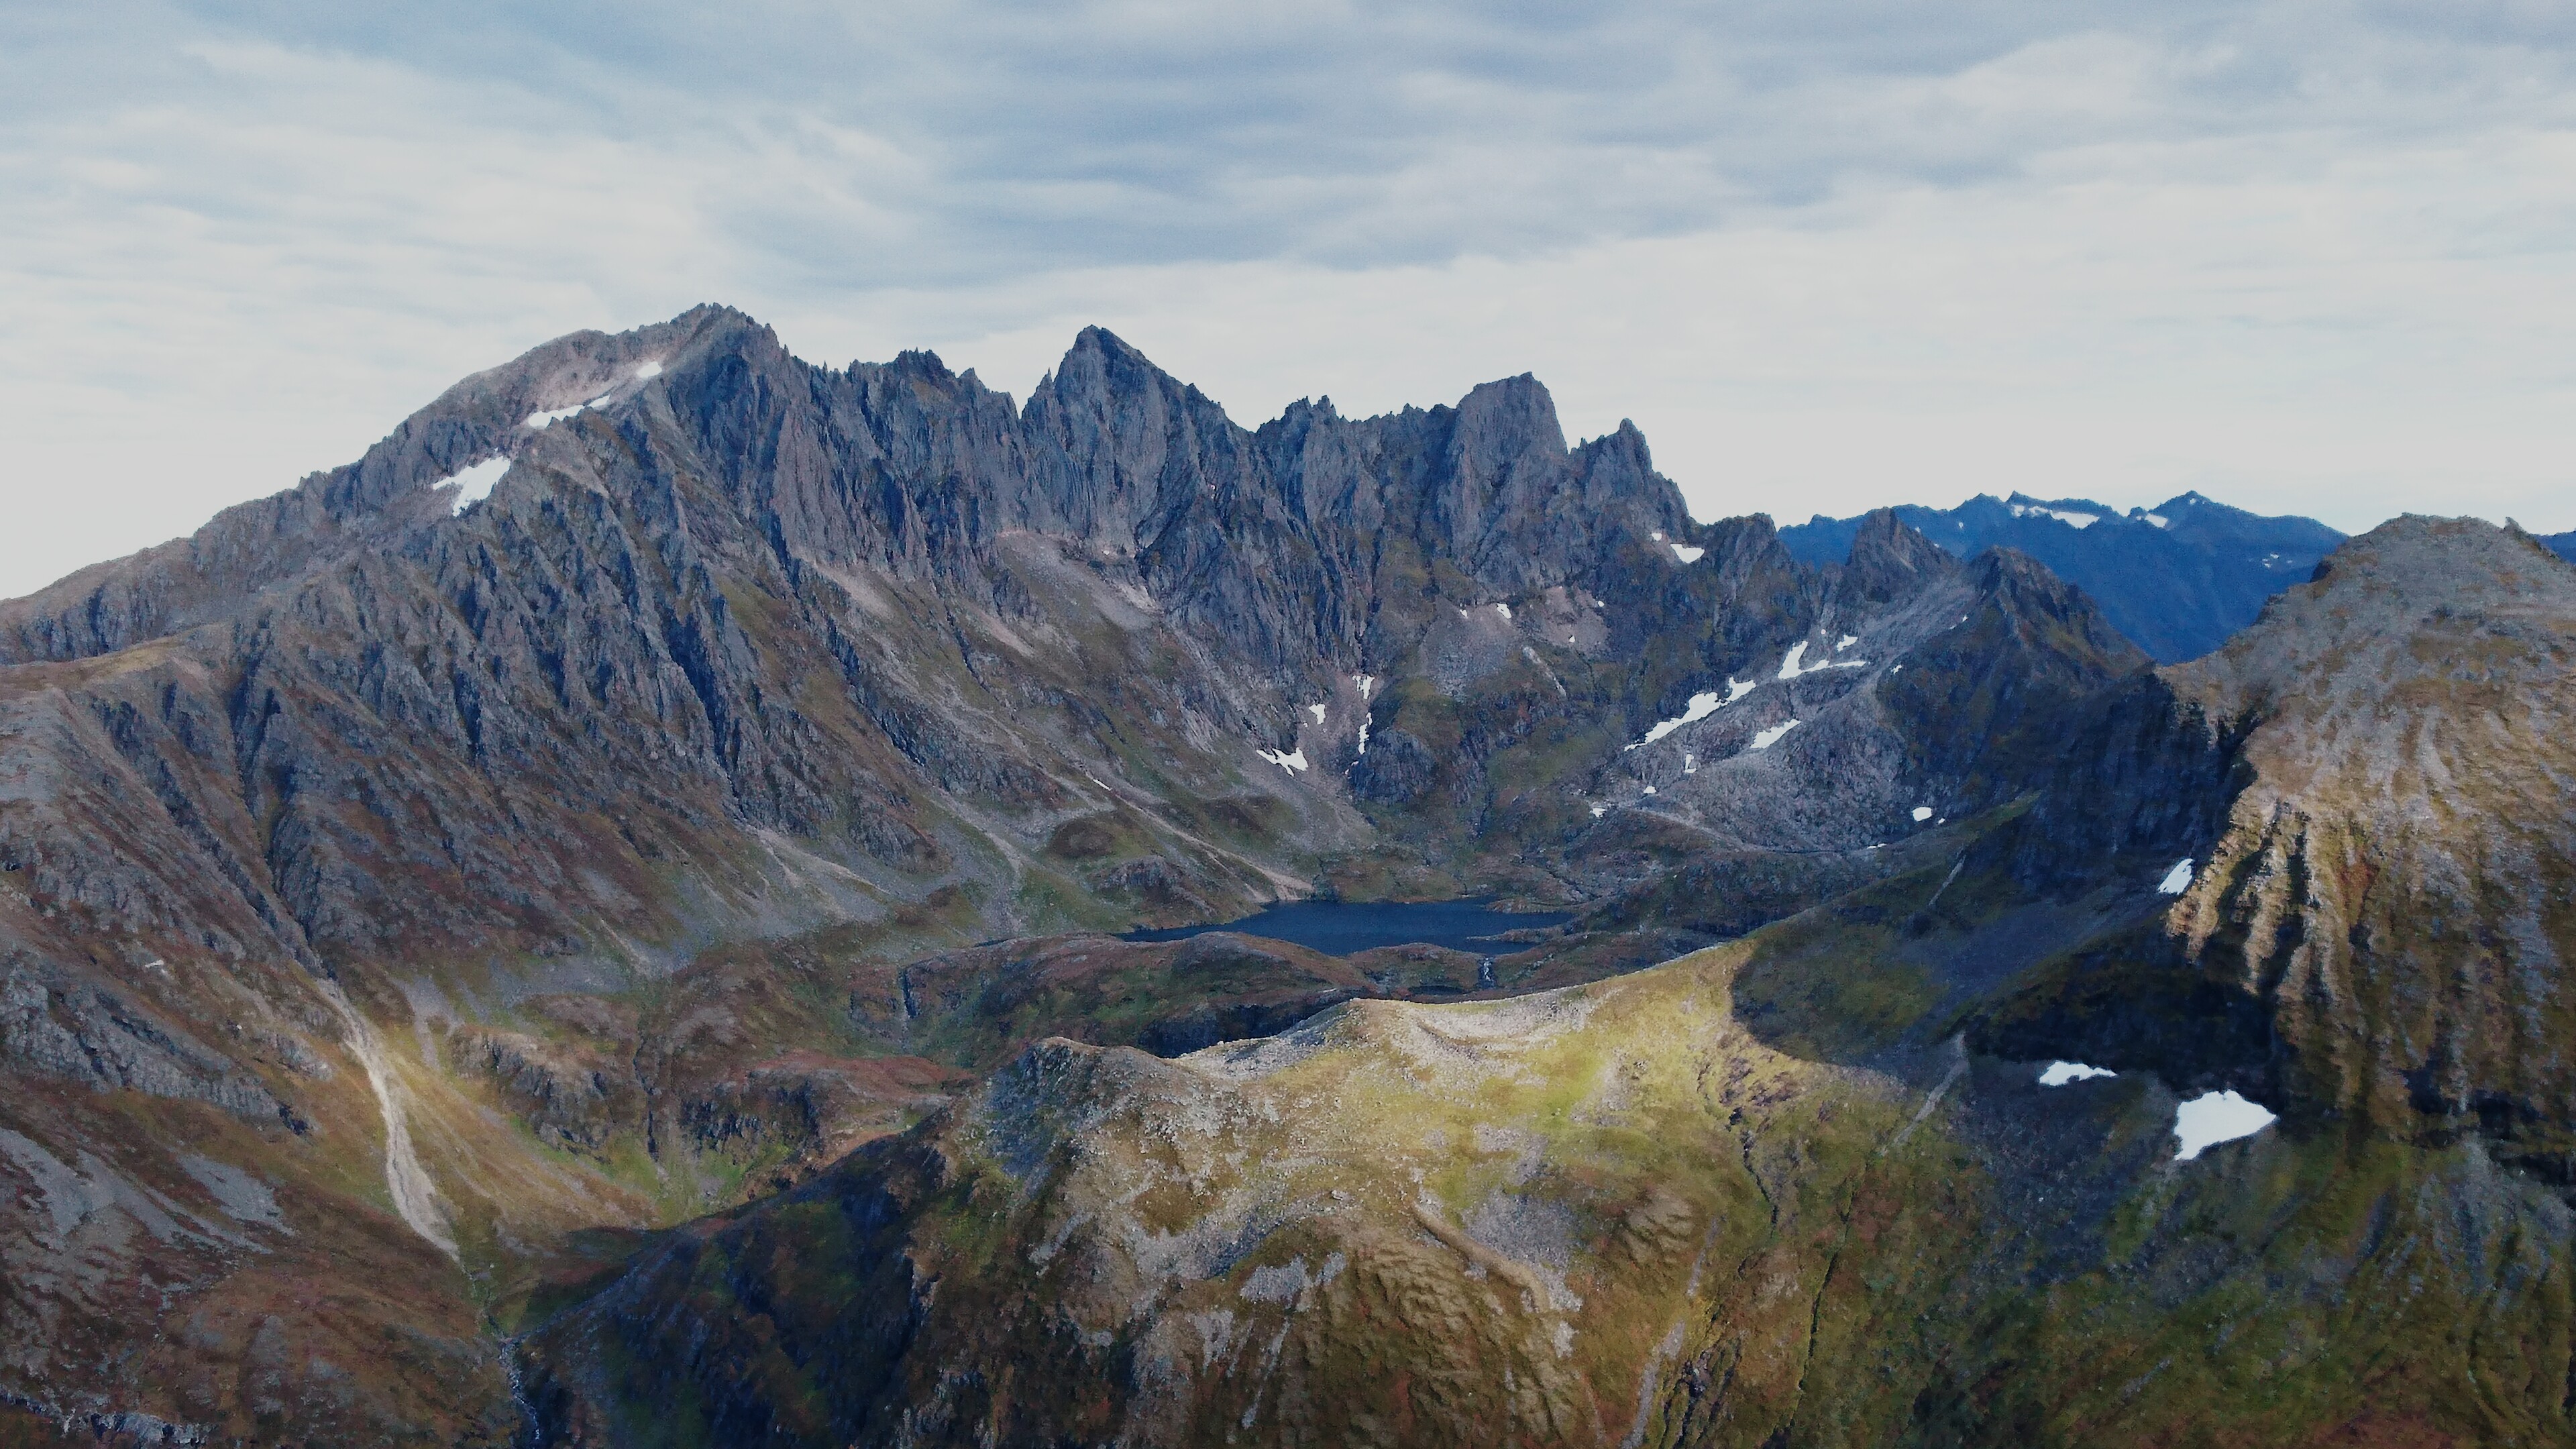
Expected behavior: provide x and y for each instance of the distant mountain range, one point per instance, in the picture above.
(2564, 544)
(2177, 579)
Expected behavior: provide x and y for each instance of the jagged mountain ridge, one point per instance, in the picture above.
(2178, 579)
(486, 882)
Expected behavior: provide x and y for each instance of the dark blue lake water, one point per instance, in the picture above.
(1338, 928)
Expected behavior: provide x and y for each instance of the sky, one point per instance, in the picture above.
(2304, 257)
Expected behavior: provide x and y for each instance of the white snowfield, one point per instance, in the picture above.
(1922, 813)
(1701, 706)
(1765, 739)
(1319, 712)
(2070, 519)
(1845, 642)
(2178, 879)
(648, 370)
(1794, 664)
(473, 484)
(2158, 519)
(2215, 1117)
(548, 419)
(1293, 761)
(1686, 553)
(2058, 1074)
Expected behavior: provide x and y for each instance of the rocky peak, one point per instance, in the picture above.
(1890, 560)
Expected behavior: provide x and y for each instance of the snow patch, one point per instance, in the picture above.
(2071, 520)
(2215, 1117)
(2059, 1074)
(1795, 663)
(1657, 535)
(1922, 813)
(547, 419)
(1845, 642)
(650, 369)
(1365, 683)
(1600, 810)
(2176, 880)
(1292, 762)
(1765, 739)
(2158, 519)
(473, 484)
(1650, 789)
(1503, 609)
(1701, 706)
(1686, 553)
(1319, 712)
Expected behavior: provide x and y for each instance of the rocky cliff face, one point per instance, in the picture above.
(2377, 764)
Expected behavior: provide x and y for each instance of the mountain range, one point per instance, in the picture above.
(2178, 579)
(592, 924)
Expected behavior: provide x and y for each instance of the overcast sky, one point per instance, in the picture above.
(2304, 257)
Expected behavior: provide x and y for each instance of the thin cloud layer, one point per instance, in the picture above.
(2305, 256)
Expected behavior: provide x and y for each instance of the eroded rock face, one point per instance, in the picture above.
(2366, 798)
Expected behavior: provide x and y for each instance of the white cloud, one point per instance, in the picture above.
(2303, 256)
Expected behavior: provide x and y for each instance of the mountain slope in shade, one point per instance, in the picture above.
(1804, 1188)
(2177, 579)
(2563, 544)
